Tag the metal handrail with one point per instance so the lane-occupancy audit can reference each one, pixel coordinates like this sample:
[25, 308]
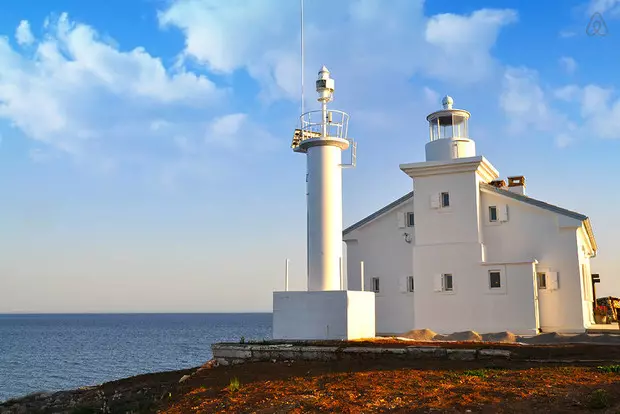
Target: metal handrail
[338, 129]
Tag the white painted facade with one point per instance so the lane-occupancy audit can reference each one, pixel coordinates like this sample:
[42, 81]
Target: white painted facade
[323, 315]
[475, 249]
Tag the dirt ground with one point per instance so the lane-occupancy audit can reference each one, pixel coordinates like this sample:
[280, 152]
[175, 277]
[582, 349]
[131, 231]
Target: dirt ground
[399, 386]
[365, 385]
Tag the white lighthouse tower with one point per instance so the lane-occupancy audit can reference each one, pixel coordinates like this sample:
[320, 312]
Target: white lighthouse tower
[326, 310]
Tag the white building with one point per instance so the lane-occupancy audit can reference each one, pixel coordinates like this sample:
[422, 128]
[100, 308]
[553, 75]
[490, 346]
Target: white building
[466, 251]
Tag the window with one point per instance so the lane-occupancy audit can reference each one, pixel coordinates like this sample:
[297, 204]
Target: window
[542, 280]
[375, 284]
[447, 282]
[495, 281]
[410, 220]
[410, 284]
[492, 213]
[445, 199]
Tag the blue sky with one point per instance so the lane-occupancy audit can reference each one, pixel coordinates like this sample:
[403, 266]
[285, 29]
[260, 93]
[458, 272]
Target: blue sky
[144, 154]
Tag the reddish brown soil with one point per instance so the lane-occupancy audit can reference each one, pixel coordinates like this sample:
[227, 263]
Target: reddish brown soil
[363, 384]
[397, 386]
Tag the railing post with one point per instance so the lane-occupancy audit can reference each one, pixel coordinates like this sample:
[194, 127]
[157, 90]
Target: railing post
[286, 275]
[362, 275]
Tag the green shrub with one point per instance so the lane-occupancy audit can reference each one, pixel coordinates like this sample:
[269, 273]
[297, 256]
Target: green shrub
[610, 368]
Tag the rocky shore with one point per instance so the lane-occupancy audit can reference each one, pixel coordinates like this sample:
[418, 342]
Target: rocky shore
[139, 394]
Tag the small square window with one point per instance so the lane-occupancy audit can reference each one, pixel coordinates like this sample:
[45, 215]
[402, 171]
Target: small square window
[542, 280]
[492, 213]
[410, 220]
[375, 284]
[495, 281]
[410, 284]
[445, 199]
[447, 282]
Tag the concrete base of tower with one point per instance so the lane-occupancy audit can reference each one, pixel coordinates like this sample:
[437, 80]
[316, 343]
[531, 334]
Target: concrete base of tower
[340, 315]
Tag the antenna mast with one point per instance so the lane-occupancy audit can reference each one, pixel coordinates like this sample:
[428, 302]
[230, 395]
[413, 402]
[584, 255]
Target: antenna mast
[302, 57]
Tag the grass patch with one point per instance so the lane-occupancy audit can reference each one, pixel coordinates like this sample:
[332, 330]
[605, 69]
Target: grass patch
[480, 373]
[610, 368]
[234, 385]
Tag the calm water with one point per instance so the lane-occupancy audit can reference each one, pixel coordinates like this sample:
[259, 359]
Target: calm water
[56, 352]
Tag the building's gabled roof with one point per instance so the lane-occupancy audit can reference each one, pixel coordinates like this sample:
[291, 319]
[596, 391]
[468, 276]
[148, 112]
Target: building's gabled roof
[550, 207]
[378, 213]
[528, 200]
[534, 202]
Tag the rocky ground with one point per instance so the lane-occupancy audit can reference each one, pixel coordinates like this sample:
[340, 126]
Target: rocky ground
[534, 381]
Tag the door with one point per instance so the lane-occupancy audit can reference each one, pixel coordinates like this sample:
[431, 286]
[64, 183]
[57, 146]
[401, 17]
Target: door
[536, 307]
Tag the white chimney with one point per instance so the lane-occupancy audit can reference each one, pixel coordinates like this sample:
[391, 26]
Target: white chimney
[516, 184]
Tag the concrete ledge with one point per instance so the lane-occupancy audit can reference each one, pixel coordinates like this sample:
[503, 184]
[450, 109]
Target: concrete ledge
[227, 354]
[462, 354]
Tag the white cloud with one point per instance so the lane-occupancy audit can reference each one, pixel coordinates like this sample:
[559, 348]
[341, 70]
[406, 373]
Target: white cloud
[563, 140]
[362, 41]
[464, 43]
[234, 130]
[525, 103]
[595, 114]
[84, 96]
[568, 93]
[566, 34]
[224, 130]
[23, 34]
[568, 64]
[606, 8]
[431, 96]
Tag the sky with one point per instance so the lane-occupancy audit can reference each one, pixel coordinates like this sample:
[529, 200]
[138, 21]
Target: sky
[145, 161]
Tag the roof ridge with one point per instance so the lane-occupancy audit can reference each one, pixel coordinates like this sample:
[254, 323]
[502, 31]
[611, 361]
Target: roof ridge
[377, 213]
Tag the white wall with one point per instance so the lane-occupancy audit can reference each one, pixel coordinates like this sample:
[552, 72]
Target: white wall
[460, 240]
[323, 315]
[386, 255]
[534, 233]
[586, 279]
[455, 224]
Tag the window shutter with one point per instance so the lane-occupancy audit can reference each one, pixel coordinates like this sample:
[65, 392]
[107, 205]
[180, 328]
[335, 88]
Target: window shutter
[401, 220]
[435, 200]
[402, 285]
[503, 213]
[552, 281]
[437, 285]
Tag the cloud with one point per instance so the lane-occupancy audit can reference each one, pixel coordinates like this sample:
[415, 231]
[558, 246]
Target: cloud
[566, 34]
[568, 64]
[431, 96]
[234, 130]
[77, 93]
[23, 35]
[262, 38]
[466, 40]
[524, 102]
[606, 8]
[568, 93]
[528, 106]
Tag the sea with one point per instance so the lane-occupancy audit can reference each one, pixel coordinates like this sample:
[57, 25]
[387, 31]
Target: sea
[60, 352]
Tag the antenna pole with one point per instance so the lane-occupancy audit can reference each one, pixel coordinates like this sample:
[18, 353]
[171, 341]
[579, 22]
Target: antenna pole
[302, 58]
